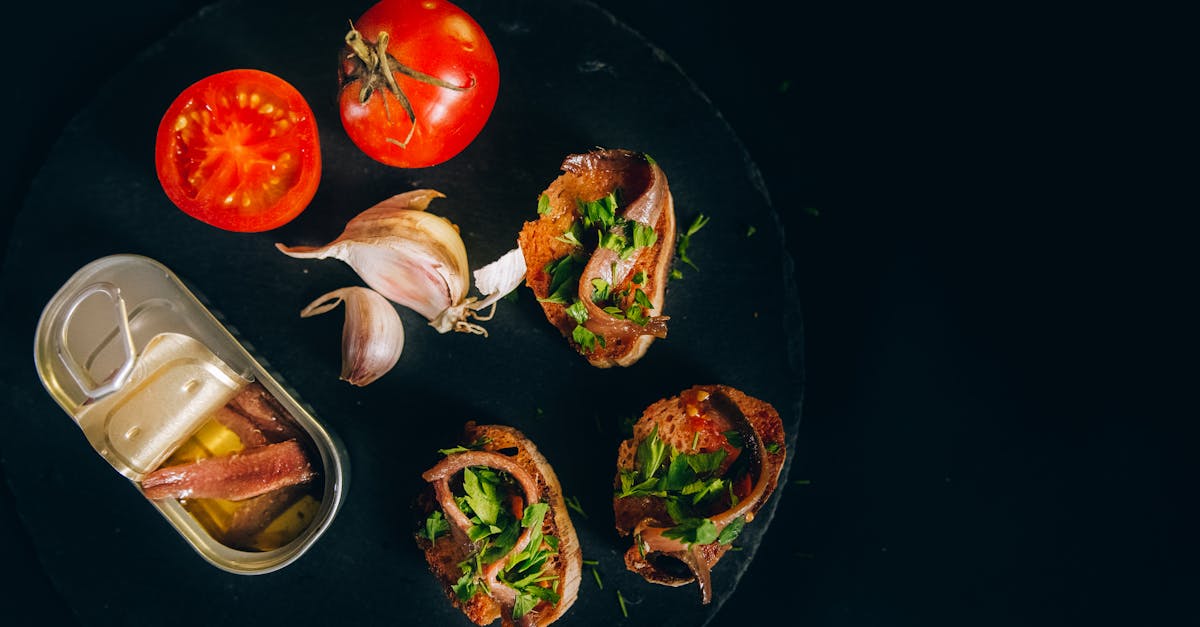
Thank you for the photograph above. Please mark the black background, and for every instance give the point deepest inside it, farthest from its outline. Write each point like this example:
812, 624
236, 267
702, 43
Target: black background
986, 257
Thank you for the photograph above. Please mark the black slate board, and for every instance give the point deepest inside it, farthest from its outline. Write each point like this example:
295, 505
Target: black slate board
572, 77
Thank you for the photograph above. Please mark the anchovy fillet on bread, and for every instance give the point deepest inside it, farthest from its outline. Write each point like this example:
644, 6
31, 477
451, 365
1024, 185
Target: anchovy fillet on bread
698, 468
497, 533
599, 254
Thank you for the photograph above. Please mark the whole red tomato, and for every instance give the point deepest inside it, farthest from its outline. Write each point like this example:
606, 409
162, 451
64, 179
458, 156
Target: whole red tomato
239, 150
418, 82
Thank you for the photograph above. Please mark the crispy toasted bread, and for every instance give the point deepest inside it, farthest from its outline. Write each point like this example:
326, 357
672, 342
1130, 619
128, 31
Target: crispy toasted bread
644, 197
533, 481
743, 440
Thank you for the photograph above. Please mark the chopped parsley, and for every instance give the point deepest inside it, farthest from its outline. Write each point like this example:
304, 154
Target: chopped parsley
495, 531
474, 446
622, 236
643, 235
435, 525
731, 531
586, 339
578, 311
685, 239
564, 279
571, 236
601, 212
573, 503
688, 484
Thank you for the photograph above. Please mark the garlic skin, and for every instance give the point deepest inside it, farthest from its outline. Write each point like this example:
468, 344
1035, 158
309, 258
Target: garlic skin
414, 258
372, 336
498, 278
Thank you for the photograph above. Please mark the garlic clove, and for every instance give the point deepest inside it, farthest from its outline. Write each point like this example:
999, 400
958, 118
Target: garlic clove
414, 258
372, 336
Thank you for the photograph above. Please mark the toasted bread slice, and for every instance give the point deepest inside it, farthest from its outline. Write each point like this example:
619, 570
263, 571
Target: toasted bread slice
646, 199
731, 437
533, 480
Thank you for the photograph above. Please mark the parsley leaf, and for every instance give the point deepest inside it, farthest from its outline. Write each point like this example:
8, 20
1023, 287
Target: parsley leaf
564, 278
467, 585
474, 446
601, 212
571, 236
650, 453
578, 311
435, 525
543, 205
693, 531
600, 289
731, 531
523, 604
643, 236
637, 314
679, 474
706, 462
685, 239
481, 496
573, 503
586, 339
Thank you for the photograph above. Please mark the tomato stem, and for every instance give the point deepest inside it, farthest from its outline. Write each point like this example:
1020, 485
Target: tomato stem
375, 68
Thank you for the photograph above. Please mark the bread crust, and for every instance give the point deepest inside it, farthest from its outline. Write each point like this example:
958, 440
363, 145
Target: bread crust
541, 244
444, 555
674, 420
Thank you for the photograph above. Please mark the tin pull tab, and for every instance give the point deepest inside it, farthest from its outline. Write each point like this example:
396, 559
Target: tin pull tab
82, 377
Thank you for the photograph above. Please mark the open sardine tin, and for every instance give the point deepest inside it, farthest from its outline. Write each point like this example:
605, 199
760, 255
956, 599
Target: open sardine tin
146, 370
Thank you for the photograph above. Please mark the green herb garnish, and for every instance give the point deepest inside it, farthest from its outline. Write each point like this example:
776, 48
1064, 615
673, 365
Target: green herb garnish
571, 236
586, 339
578, 311
543, 206
685, 239
474, 446
435, 525
693, 531
495, 530
573, 503
731, 531
602, 212
564, 279
643, 236
688, 483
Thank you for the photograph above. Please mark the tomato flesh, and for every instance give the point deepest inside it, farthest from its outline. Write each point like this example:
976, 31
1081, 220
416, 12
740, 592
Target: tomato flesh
438, 39
239, 150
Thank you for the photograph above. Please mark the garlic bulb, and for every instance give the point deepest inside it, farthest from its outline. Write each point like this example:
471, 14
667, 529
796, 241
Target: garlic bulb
412, 257
372, 337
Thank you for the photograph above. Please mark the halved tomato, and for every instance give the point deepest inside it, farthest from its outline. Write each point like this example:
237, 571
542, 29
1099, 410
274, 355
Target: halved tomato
239, 150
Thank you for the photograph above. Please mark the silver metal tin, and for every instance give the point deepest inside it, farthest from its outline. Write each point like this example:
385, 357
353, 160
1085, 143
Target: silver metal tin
140, 364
